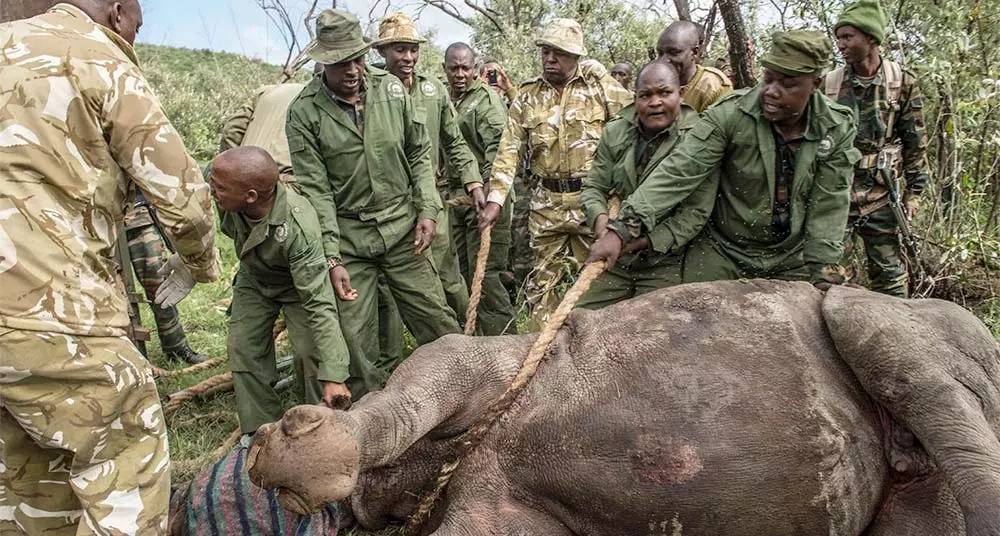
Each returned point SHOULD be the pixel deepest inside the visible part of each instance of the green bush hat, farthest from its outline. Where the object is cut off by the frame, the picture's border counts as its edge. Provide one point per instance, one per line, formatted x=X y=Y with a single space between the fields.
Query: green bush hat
x=564 y=34
x=799 y=53
x=397 y=28
x=338 y=38
x=867 y=16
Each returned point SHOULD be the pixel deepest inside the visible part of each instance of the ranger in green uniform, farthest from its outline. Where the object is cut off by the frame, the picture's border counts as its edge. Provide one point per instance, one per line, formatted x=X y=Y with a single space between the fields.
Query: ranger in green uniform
x=364 y=163
x=282 y=267
x=632 y=145
x=889 y=107
x=783 y=154
x=481 y=118
x=399 y=43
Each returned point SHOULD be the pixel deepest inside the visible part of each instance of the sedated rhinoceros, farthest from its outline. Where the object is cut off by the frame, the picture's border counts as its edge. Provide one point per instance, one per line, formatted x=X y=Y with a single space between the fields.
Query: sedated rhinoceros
x=727 y=408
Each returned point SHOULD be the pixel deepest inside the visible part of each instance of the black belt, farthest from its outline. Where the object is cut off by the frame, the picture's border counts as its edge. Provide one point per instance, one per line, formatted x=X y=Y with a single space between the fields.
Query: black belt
x=563 y=185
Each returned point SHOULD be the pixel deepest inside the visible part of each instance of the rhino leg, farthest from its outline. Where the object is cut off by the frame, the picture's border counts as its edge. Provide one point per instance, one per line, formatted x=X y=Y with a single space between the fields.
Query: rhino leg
x=506 y=519
x=936 y=369
x=920 y=506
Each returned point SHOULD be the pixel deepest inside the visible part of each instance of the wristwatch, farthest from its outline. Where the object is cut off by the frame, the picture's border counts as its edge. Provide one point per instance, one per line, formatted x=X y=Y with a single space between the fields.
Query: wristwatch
x=334 y=262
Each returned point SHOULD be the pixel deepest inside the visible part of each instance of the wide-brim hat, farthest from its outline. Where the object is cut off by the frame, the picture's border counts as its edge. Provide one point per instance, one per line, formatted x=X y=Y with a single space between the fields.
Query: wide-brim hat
x=564 y=34
x=338 y=38
x=398 y=28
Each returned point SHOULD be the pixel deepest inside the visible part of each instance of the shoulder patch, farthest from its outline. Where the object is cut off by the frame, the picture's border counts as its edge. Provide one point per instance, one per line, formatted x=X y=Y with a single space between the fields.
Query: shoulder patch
x=281 y=232
x=395 y=89
x=825 y=146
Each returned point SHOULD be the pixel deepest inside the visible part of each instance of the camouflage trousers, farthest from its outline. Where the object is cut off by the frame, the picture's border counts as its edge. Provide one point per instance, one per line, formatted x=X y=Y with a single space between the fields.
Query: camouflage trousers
x=883 y=253
x=560 y=241
x=82 y=437
x=149 y=254
x=495 y=315
x=520 y=257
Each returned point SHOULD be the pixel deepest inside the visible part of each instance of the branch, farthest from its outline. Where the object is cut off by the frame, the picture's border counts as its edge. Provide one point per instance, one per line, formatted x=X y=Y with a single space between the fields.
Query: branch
x=310 y=15
x=488 y=13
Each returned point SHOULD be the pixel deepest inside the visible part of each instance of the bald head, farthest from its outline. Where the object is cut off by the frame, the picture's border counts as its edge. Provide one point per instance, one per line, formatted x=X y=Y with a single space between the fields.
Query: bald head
x=459 y=49
x=124 y=17
x=680 y=44
x=658 y=71
x=242 y=178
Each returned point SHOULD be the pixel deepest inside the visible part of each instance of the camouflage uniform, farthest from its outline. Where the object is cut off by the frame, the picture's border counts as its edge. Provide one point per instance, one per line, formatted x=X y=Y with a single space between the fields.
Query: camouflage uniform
x=260 y=122
x=148 y=254
x=871 y=218
x=625 y=157
x=561 y=129
x=481 y=119
x=706 y=87
x=84 y=442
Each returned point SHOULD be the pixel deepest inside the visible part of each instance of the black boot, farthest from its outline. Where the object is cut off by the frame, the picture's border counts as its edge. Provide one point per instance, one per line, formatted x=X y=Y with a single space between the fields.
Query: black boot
x=187 y=354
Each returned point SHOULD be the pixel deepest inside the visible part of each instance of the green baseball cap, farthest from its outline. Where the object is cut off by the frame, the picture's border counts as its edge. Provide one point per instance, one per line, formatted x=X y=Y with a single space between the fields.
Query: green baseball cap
x=799 y=53
x=338 y=38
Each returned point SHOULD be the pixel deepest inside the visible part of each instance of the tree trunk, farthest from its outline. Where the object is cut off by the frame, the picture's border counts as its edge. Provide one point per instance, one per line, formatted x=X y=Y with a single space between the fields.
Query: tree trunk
x=741 y=55
x=683 y=9
x=22 y=9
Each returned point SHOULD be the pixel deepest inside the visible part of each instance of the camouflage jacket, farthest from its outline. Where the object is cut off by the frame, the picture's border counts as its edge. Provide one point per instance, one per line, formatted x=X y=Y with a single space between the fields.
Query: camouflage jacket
x=260 y=122
x=77 y=120
x=871 y=106
x=561 y=129
x=283 y=259
x=432 y=106
x=615 y=172
x=383 y=178
x=481 y=118
x=735 y=145
x=707 y=86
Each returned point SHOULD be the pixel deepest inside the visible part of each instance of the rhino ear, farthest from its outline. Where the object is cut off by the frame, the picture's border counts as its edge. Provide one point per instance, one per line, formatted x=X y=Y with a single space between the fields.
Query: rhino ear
x=302 y=420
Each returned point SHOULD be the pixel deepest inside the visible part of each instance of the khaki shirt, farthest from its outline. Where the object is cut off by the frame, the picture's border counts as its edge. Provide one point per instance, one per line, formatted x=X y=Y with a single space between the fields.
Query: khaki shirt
x=561 y=128
x=707 y=86
x=260 y=122
x=77 y=119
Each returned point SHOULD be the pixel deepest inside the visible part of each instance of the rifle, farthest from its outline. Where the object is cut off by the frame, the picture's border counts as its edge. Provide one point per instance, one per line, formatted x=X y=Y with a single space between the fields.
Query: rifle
x=136 y=332
x=923 y=283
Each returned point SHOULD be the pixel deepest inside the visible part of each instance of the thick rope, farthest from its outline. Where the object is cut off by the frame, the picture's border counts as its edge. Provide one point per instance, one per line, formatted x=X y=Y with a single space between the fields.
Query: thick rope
x=475 y=435
x=477 y=280
x=464 y=201
x=192 y=392
x=163 y=373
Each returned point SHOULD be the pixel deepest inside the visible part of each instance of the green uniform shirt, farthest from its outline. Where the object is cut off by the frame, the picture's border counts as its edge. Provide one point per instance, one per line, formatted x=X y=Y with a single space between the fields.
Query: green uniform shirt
x=283 y=254
x=615 y=171
x=735 y=141
x=482 y=116
x=432 y=105
x=384 y=178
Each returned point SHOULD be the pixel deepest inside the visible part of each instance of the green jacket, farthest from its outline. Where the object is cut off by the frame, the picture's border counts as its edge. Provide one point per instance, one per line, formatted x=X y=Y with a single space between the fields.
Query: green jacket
x=614 y=170
x=283 y=255
x=430 y=100
x=482 y=116
x=734 y=140
x=384 y=178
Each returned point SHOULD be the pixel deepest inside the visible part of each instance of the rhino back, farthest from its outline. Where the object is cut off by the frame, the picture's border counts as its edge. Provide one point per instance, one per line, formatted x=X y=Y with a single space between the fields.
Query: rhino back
x=704 y=409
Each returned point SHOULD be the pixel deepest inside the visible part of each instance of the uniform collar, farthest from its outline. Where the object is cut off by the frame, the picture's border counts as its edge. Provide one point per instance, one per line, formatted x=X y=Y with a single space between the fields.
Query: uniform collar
x=277 y=217
x=879 y=78
x=473 y=87
x=120 y=42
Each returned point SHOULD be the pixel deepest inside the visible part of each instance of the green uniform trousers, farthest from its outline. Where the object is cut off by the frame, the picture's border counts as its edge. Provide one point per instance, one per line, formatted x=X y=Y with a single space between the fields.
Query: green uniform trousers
x=495 y=315
x=521 y=257
x=252 y=354
x=883 y=252
x=634 y=275
x=413 y=283
x=704 y=260
x=148 y=254
x=82 y=437
x=456 y=293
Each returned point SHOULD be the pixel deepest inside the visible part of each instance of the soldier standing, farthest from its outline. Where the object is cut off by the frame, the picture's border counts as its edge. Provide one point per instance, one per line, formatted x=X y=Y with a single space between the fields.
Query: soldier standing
x=364 y=163
x=399 y=43
x=887 y=102
x=632 y=145
x=782 y=154
x=148 y=253
x=622 y=72
x=558 y=117
x=83 y=437
x=282 y=268
x=680 y=44
x=260 y=122
x=481 y=119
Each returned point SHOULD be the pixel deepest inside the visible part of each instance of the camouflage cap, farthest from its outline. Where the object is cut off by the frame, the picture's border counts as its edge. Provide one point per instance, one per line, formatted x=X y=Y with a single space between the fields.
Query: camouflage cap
x=338 y=38
x=564 y=34
x=799 y=53
x=397 y=28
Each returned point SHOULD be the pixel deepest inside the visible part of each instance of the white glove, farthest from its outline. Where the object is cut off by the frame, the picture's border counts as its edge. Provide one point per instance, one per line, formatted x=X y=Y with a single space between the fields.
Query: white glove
x=177 y=282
